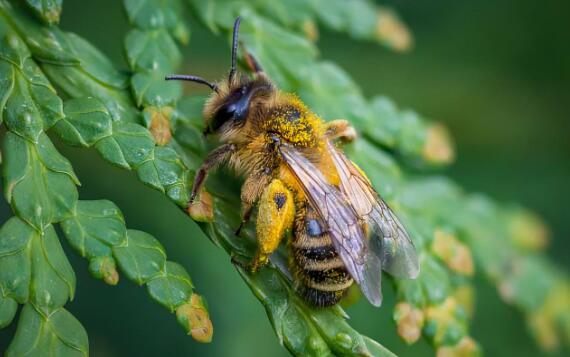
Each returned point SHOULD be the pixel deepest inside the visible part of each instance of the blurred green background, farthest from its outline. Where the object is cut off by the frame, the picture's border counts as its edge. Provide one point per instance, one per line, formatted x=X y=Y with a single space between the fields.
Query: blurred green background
x=496 y=72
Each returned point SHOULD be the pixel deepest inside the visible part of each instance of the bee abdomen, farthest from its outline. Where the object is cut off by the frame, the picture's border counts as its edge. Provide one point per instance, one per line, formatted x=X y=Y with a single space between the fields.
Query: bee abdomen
x=322 y=278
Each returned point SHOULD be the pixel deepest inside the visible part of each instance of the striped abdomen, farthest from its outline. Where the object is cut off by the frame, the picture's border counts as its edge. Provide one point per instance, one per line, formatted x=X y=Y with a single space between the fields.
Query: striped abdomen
x=321 y=278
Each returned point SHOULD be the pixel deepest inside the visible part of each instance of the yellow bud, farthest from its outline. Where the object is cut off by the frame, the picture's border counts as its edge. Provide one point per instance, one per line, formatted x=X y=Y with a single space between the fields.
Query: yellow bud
x=410 y=322
x=104 y=268
x=465 y=296
x=202 y=210
x=310 y=30
x=528 y=231
x=194 y=317
x=444 y=315
x=544 y=330
x=467 y=347
x=544 y=321
x=391 y=30
x=438 y=147
x=455 y=254
x=159 y=123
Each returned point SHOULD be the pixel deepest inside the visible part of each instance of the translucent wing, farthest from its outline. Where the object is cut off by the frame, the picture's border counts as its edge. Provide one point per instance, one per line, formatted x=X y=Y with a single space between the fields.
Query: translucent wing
x=396 y=250
x=342 y=222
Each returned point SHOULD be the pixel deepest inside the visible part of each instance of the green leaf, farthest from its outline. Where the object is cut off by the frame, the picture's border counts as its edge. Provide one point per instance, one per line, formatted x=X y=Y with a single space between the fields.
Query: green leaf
x=384 y=127
x=433 y=284
x=285 y=57
x=129 y=146
x=141 y=257
x=304 y=331
x=33 y=104
x=377 y=349
x=53 y=280
x=47 y=10
x=33 y=266
x=148 y=14
x=38 y=194
x=86 y=122
x=47 y=43
x=8 y=309
x=96 y=64
x=379 y=166
x=53 y=160
x=13 y=49
x=150 y=89
x=95 y=228
x=329 y=91
x=293 y=328
x=15 y=265
x=152 y=51
x=56 y=334
x=172 y=288
x=74 y=82
x=166 y=172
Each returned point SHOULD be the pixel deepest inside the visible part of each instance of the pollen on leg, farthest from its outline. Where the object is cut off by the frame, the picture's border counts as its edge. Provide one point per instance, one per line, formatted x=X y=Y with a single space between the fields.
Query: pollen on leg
x=275 y=216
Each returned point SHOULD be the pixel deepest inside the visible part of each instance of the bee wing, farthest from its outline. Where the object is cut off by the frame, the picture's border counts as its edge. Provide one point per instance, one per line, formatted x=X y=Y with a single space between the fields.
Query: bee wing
x=396 y=251
x=342 y=222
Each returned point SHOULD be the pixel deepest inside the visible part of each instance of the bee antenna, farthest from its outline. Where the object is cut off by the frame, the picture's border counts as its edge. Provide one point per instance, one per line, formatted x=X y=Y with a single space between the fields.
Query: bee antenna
x=234 y=47
x=187 y=77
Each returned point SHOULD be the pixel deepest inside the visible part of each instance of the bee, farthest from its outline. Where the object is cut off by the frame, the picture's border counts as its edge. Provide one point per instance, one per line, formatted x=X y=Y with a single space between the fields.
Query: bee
x=342 y=231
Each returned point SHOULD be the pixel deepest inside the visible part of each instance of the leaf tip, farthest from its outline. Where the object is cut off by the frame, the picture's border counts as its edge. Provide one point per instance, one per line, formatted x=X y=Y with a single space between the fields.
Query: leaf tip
x=391 y=30
x=104 y=268
x=438 y=146
x=203 y=209
x=466 y=347
x=195 y=319
x=158 y=120
x=454 y=253
x=409 y=321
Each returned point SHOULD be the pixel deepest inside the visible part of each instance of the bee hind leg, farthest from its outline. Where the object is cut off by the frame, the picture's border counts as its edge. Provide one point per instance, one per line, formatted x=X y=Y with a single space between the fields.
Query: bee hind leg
x=251 y=190
x=340 y=129
x=274 y=218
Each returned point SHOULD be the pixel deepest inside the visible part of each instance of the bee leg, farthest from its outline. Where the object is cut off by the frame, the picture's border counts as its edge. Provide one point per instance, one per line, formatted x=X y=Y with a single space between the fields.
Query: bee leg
x=251 y=190
x=340 y=129
x=215 y=158
x=275 y=216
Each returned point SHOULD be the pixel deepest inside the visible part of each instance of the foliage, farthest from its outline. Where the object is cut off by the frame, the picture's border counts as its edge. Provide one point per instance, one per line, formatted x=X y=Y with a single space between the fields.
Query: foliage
x=57 y=82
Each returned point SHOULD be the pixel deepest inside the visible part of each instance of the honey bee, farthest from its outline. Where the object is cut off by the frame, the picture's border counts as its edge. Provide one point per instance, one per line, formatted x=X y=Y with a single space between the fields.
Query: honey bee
x=342 y=231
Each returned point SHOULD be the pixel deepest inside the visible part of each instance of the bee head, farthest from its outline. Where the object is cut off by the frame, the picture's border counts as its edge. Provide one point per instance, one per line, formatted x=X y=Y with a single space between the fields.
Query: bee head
x=234 y=98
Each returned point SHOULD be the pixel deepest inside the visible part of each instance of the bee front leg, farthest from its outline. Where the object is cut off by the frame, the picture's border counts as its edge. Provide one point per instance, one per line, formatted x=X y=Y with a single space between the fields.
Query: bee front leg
x=275 y=216
x=340 y=129
x=215 y=158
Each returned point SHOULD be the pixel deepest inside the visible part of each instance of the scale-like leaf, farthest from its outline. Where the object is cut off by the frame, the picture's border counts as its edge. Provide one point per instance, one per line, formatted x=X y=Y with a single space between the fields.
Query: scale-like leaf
x=172 y=287
x=95 y=228
x=141 y=256
x=15 y=266
x=86 y=122
x=47 y=43
x=152 y=50
x=166 y=172
x=37 y=193
x=8 y=309
x=53 y=279
x=56 y=334
x=149 y=14
x=129 y=146
x=47 y=10
x=150 y=89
